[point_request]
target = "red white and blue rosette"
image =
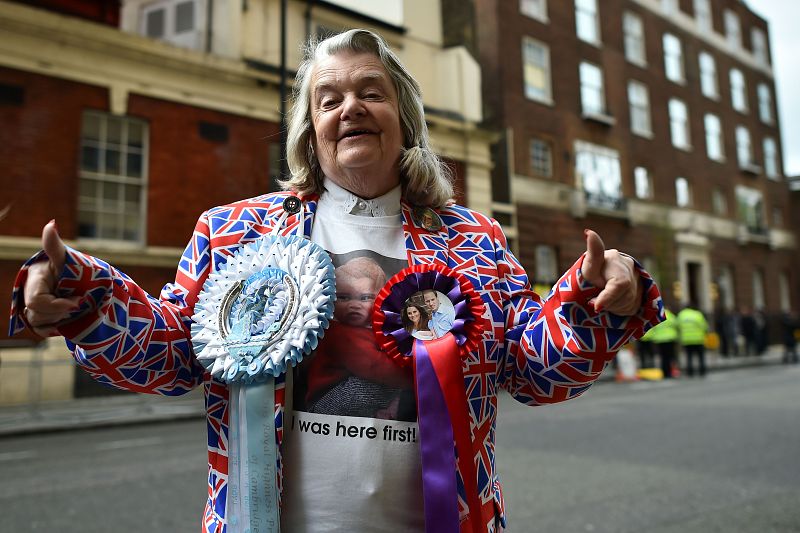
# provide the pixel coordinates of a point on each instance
(258, 315)
(442, 408)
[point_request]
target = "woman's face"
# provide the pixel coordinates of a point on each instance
(413, 315)
(357, 135)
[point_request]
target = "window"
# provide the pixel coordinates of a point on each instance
(669, 6)
(179, 22)
(784, 291)
(683, 193)
(634, 38)
(719, 203)
(536, 70)
(587, 23)
(597, 173)
(715, 146)
(725, 286)
(758, 289)
(744, 148)
(750, 207)
(546, 264)
(541, 158)
(702, 14)
(673, 58)
(708, 76)
(733, 29)
(639, 102)
(771, 158)
(777, 217)
(593, 99)
(679, 124)
(643, 183)
(738, 90)
(534, 8)
(764, 103)
(759, 41)
(112, 177)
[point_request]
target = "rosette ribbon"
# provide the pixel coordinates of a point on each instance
(258, 315)
(442, 408)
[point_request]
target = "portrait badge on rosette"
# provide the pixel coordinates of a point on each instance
(430, 317)
(257, 316)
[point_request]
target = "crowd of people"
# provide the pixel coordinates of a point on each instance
(734, 333)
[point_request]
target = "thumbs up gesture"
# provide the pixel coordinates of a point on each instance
(43, 308)
(613, 273)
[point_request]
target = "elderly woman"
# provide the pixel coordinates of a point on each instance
(361, 165)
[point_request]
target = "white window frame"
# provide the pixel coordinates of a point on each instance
(535, 9)
(546, 264)
(674, 68)
(683, 192)
(533, 65)
(679, 124)
(733, 29)
(709, 83)
(738, 91)
(702, 16)
(715, 141)
(719, 202)
(770, 148)
(639, 106)
(759, 300)
(587, 21)
(765, 103)
(758, 40)
(744, 148)
(109, 214)
(784, 292)
(670, 7)
(193, 38)
(593, 92)
(634, 40)
(545, 156)
(750, 208)
(598, 174)
(643, 183)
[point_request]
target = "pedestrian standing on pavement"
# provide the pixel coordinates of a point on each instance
(664, 336)
(789, 326)
(646, 351)
(692, 328)
(747, 325)
(365, 182)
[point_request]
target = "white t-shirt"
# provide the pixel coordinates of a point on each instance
(350, 448)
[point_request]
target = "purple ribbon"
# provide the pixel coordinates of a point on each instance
(439, 489)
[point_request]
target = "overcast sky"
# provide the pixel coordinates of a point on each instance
(783, 17)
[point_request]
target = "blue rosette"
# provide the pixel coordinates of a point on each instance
(264, 309)
(258, 315)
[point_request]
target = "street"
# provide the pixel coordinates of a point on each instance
(719, 454)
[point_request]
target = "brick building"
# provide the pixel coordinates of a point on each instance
(125, 120)
(653, 122)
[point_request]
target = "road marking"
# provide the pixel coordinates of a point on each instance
(16, 456)
(127, 443)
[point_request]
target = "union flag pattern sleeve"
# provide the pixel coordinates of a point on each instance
(557, 347)
(121, 335)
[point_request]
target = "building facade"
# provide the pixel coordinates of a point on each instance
(125, 120)
(653, 122)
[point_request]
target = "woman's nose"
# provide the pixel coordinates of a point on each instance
(352, 107)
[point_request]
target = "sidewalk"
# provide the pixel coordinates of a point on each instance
(716, 362)
(144, 408)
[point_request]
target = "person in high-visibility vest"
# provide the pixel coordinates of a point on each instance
(664, 336)
(692, 327)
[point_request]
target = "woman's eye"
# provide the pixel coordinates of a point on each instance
(327, 103)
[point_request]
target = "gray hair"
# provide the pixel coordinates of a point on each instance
(425, 178)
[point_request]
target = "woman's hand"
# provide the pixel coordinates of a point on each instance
(615, 274)
(43, 308)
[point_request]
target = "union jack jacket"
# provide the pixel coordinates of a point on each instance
(540, 351)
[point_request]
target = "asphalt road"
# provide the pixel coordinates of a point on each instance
(720, 454)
